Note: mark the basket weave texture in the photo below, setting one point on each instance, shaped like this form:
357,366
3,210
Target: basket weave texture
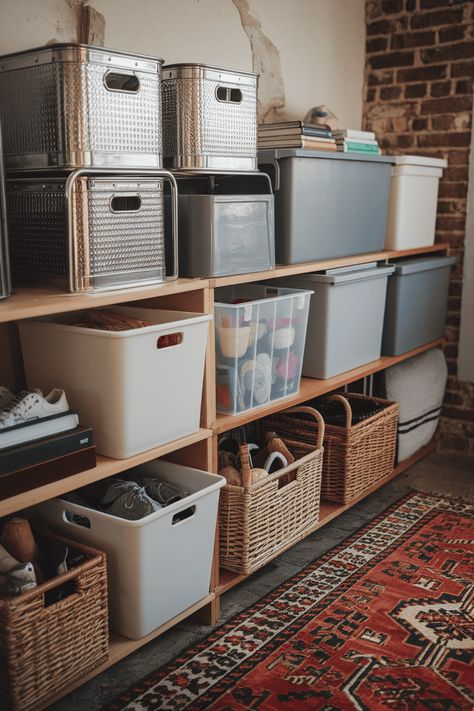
355,456
44,648
258,521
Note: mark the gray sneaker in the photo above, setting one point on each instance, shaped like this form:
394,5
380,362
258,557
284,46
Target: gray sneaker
127,499
161,491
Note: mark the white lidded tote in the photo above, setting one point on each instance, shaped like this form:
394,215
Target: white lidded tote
413,200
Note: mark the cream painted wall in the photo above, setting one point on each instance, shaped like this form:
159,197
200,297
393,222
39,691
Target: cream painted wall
321,42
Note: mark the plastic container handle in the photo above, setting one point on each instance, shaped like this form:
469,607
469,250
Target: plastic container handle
266,160
347,408
183,515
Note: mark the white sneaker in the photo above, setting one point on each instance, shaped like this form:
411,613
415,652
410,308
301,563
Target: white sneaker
6,396
28,406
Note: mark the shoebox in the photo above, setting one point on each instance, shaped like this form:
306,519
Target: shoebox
46,460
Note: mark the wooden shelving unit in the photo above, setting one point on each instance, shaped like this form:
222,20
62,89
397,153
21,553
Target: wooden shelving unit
200,448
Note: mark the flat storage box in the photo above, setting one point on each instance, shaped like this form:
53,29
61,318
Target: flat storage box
260,337
137,389
116,239
46,645
159,565
327,204
226,225
417,303
71,106
345,317
413,201
209,118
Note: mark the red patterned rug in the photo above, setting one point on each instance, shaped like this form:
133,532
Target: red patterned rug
382,622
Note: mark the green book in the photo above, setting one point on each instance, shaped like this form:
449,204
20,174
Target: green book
361,148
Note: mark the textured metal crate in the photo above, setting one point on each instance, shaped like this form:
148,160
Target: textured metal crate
209,118
71,106
4,259
117,224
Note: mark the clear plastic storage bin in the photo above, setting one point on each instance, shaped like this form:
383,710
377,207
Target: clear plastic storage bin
137,389
260,339
159,565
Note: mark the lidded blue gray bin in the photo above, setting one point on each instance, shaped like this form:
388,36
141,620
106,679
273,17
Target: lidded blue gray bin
327,204
345,317
417,303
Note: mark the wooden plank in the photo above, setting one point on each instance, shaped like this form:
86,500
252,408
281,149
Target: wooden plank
31,302
307,267
121,647
329,510
105,467
313,387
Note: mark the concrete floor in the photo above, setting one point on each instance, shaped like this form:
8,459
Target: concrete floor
443,474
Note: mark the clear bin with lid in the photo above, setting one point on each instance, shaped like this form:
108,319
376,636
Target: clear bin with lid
413,199
260,338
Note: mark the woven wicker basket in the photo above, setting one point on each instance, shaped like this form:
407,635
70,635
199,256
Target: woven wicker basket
43,649
355,456
258,521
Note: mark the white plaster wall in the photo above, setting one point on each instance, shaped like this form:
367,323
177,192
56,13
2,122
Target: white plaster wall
321,42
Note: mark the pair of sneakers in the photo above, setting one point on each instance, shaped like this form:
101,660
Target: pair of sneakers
27,406
136,498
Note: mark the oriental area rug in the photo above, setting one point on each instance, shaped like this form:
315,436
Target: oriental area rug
384,622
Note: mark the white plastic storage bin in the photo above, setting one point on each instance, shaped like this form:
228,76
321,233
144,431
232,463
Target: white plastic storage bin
159,565
345,317
412,203
134,389
260,337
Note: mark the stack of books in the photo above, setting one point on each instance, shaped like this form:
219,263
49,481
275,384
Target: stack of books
351,141
295,134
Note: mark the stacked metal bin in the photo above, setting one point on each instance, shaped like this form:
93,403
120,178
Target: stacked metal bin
226,211
83,154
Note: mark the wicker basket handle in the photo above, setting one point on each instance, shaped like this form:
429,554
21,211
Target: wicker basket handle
245,465
317,416
347,408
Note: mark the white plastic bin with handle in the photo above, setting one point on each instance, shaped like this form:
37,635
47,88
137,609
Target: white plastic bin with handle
413,201
157,566
137,389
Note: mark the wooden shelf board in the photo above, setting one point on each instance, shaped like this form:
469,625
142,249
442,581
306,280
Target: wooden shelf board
307,267
121,647
313,387
31,302
105,467
330,510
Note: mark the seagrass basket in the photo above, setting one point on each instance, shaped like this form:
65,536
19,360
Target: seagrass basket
258,521
356,456
46,647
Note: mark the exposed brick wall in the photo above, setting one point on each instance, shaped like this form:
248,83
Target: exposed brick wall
419,78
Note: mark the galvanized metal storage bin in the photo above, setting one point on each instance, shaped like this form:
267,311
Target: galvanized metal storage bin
327,204
4,256
345,317
209,118
417,303
96,232
71,106
226,225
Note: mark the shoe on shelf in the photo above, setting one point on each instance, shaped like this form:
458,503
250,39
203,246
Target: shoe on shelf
15,577
27,406
6,396
127,499
161,491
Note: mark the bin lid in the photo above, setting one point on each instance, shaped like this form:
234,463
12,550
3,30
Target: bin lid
277,153
422,264
420,160
344,275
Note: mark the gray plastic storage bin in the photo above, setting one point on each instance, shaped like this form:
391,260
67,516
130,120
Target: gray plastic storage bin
417,303
327,204
345,317
226,225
